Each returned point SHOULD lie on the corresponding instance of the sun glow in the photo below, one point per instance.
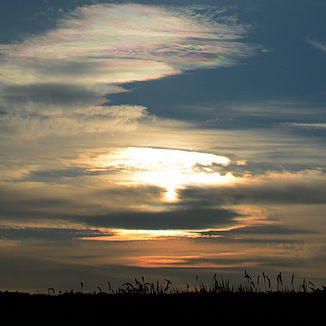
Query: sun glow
(170, 169)
(143, 235)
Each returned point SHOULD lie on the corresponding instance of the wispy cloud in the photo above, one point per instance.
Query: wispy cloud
(317, 44)
(306, 125)
(96, 48)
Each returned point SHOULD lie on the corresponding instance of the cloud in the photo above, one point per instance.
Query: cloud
(55, 202)
(255, 114)
(306, 125)
(45, 234)
(179, 219)
(50, 95)
(53, 85)
(234, 262)
(318, 45)
(259, 230)
(90, 120)
(304, 187)
(56, 176)
(49, 204)
(96, 48)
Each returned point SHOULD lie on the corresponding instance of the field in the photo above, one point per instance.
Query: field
(153, 304)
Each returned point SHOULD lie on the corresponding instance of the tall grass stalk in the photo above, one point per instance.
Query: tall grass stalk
(219, 284)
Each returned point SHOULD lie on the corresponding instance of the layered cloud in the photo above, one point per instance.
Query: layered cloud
(214, 189)
(304, 187)
(97, 47)
(53, 86)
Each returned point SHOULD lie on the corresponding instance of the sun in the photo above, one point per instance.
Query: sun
(170, 169)
(174, 169)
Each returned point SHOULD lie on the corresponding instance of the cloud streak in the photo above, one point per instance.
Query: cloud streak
(318, 45)
(304, 187)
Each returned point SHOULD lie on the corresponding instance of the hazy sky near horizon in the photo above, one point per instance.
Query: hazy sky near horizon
(163, 139)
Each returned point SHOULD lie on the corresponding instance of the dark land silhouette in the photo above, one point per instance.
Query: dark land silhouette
(150, 304)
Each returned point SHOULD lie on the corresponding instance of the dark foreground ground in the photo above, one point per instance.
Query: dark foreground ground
(165, 309)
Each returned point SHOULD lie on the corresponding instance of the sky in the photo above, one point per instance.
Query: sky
(161, 139)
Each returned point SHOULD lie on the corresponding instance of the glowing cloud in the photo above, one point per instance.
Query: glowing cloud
(103, 45)
(167, 168)
(143, 235)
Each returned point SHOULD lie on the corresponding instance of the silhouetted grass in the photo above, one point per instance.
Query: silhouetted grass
(263, 301)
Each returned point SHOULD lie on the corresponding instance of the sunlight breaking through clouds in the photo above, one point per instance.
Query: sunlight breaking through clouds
(143, 235)
(171, 169)
(124, 145)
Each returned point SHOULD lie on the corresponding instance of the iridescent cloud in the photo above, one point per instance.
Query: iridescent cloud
(97, 47)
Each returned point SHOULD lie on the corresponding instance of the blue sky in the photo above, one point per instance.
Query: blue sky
(163, 139)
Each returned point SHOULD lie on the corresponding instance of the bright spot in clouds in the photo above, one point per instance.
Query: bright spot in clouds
(167, 168)
(143, 235)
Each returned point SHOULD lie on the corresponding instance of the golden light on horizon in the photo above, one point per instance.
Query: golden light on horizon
(143, 235)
